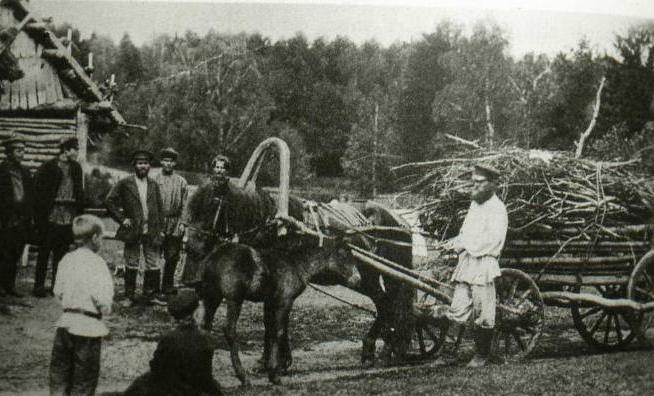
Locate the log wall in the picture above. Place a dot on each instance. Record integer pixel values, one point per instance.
(41, 136)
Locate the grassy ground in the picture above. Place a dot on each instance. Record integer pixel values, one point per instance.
(326, 341)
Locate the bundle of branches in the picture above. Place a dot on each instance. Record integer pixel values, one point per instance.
(549, 195)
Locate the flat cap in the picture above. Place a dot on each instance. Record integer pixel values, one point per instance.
(183, 304)
(169, 152)
(68, 142)
(142, 154)
(488, 172)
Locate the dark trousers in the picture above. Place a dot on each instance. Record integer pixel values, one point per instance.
(57, 241)
(75, 364)
(13, 242)
(172, 245)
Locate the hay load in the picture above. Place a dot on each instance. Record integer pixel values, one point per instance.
(549, 195)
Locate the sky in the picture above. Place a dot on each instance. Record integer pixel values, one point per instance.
(532, 25)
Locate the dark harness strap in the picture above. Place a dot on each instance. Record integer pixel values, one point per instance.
(94, 315)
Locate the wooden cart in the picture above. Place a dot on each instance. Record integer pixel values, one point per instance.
(608, 285)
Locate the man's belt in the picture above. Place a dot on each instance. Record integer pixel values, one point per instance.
(94, 315)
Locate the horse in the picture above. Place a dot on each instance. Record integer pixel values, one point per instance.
(276, 276)
(249, 211)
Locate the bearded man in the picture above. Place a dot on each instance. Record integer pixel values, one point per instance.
(479, 245)
(135, 203)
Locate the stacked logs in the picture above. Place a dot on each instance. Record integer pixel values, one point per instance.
(549, 196)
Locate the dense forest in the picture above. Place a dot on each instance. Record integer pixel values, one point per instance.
(357, 110)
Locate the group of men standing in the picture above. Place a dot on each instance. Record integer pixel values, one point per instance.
(40, 209)
(149, 212)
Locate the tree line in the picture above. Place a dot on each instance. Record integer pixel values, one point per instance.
(357, 110)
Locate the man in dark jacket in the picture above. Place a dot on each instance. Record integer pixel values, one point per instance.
(135, 203)
(181, 364)
(59, 197)
(15, 212)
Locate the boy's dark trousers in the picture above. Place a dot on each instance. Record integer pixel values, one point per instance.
(75, 364)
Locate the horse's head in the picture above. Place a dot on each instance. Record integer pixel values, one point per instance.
(329, 262)
(199, 243)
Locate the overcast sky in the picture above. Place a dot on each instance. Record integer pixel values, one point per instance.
(533, 25)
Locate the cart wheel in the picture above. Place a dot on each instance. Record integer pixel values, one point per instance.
(605, 329)
(428, 336)
(520, 315)
(641, 289)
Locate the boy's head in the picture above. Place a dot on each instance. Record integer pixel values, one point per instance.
(88, 231)
(182, 305)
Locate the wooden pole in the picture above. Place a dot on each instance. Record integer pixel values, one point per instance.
(407, 279)
(618, 303)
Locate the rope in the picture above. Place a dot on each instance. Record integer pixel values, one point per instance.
(360, 307)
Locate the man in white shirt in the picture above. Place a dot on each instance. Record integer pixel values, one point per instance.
(479, 245)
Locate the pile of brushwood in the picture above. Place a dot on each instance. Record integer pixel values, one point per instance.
(549, 195)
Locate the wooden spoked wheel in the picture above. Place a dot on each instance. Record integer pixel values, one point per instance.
(604, 328)
(520, 315)
(428, 336)
(641, 289)
(431, 325)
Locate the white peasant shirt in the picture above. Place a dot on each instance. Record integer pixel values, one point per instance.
(84, 283)
(481, 238)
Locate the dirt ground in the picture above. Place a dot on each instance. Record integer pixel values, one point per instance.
(325, 335)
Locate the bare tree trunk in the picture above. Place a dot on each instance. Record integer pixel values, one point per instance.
(593, 121)
(374, 151)
(489, 123)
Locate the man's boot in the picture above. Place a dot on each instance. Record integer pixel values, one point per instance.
(483, 342)
(168, 282)
(151, 281)
(130, 287)
(447, 353)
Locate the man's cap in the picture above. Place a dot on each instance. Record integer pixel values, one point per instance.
(142, 155)
(183, 304)
(12, 141)
(169, 152)
(69, 142)
(488, 172)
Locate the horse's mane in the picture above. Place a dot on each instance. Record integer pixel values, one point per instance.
(247, 208)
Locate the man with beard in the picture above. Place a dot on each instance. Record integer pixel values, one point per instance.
(15, 212)
(174, 190)
(479, 244)
(135, 203)
(213, 199)
(59, 197)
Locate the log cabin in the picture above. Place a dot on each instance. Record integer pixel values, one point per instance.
(55, 97)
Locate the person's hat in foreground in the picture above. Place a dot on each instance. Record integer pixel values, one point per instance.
(183, 304)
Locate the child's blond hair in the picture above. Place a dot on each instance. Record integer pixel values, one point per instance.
(85, 227)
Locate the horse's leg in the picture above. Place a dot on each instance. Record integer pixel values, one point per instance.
(285, 347)
(268, 317)
(233, 312)
(370, 339)
(211, 305)
(281, 311)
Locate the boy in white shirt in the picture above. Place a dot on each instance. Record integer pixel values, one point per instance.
(85, 289)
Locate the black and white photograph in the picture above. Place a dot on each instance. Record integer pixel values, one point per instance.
(326, 197)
